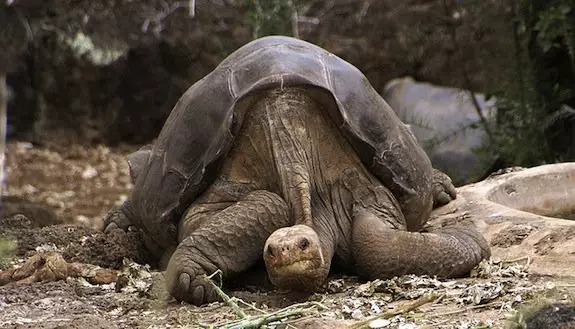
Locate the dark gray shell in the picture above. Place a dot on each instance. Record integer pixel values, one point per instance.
(199, 130)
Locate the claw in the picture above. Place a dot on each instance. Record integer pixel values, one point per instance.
(184, 282)
(111, 227)
(198, 296)
(442, 198)
(116, 219)
(192, 289)
(443, 189)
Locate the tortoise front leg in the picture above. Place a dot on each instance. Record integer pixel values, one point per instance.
(382, 253)
(382, 249)
(231, 240)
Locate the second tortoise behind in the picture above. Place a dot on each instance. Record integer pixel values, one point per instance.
(286, 152)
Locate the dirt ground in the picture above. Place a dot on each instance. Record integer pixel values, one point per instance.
(63, 194)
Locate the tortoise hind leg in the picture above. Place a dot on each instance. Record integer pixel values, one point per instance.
(117, 219)
(229, 239)
(443, 189)
(382, 250)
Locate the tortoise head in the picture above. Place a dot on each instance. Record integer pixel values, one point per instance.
(294, 259)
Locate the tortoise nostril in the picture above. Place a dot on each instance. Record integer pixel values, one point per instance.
(271, 251)
(303, 243)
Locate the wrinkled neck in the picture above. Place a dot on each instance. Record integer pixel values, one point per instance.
(327, 237)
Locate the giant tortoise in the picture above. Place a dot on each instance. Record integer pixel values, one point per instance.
(286, 151)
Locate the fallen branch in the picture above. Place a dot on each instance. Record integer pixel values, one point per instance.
(257, 321)
(3, 114)
(51, 266)
(463, 310)
(397, 311)
(230, 301)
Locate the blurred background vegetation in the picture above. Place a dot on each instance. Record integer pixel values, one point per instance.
(110, 71)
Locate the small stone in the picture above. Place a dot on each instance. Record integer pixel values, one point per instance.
(379, 323)
(89, 172)
(29, 189)
(121, 199)
(81, 219)
(374, 307)
(356, 314)
(68, 194)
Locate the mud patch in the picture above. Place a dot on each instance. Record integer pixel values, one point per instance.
(512, 236)
(42, 214)
(76, 243)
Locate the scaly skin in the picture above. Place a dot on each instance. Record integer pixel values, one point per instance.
(230, 238)
(294, 190)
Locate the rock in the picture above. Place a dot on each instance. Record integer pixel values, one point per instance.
(446, 124)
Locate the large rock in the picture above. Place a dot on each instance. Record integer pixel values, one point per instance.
(446, 123)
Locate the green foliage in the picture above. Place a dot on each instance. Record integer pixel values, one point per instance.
(553, 23)
(7, 252)
(270, 17)
(520, 137)
(530, 99)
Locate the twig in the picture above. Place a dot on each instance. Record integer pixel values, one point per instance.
(517, 260)
(518, 56)
(241, 301)
(467, 80)
(363, 11)
(247, 321)
(260, 320)
(463, 310)
(399, 310)
(192, 8)
(3, 102)
(230, 301)
(168, 10)
(294, 21)
(257, 322)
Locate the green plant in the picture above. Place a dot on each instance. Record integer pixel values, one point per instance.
(533, 125)
(7, 252)
(271, 17)
(553, 23)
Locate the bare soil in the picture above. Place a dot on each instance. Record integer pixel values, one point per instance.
(64, 193)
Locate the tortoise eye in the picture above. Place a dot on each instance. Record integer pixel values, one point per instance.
(303, 243)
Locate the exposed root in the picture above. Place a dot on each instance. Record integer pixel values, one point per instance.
(51, 266)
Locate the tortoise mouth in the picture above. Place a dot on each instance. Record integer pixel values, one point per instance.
(302, 275)
(295, 268)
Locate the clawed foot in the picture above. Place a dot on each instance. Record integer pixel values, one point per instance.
(186, 280)
(443, 189)
(115, 219)
(192, 286)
